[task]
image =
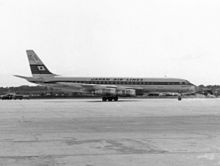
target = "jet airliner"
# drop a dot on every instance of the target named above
(109, 88)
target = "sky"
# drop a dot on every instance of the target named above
(112, 38)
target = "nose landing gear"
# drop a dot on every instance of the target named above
(179, 97)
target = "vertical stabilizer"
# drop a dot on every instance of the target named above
(38, 69)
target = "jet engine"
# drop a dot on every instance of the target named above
(106, 92)
(126, 92)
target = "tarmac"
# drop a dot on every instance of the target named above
(130, 132)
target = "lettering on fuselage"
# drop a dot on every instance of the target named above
(118, 79)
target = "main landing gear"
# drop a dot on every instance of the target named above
(108, 98)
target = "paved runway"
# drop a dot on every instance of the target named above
(87, 132)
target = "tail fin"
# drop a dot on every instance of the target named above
(38, 69)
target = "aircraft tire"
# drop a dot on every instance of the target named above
(104, 99)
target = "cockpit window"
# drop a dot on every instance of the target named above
(188, 83)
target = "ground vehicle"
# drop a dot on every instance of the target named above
(7, 97)
(14, 97)
(19, 97)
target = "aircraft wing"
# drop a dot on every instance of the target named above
(96, 86)
(85, 87)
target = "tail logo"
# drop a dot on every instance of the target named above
(41, 68)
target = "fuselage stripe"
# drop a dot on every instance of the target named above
(122, 82)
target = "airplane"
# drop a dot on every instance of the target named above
(109, 88)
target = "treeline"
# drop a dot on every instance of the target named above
(210, 89)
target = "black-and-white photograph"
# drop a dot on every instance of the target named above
(109, 83)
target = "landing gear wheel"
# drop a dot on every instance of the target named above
(116, 98)
(179, 98)
(104, 98)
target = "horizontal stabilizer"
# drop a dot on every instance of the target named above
(22, 77)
